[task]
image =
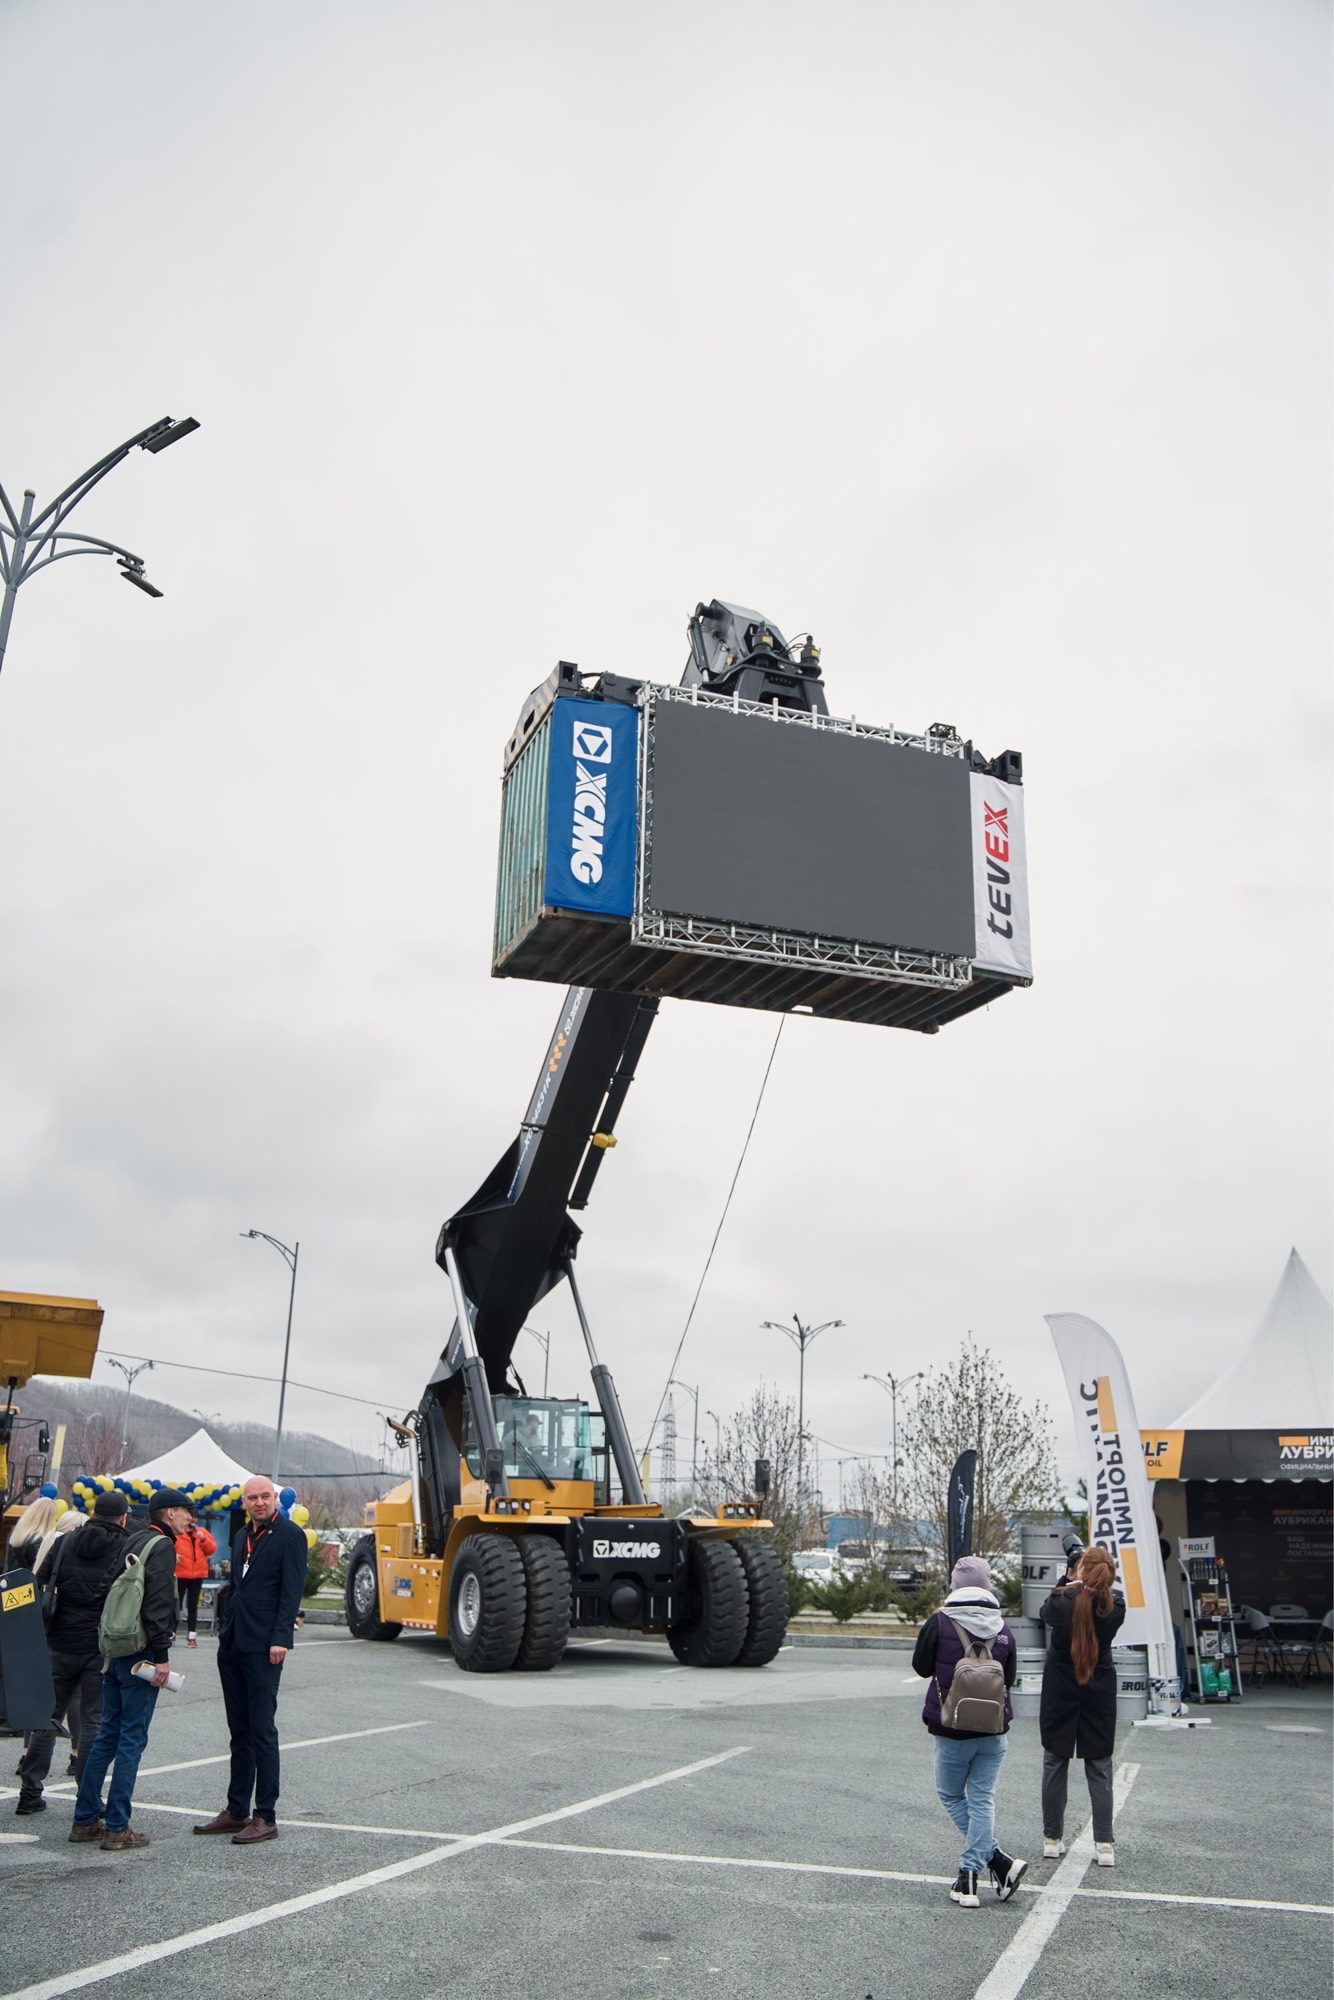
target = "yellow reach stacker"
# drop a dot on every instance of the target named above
(723, 840)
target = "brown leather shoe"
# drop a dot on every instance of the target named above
(79, 1834)
(224, 1822)
(123, 1841)
(253, 1830)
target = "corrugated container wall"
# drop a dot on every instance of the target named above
(523, 840)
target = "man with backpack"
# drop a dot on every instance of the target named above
(75, 1579)
(137, 1626)
(966, 1651)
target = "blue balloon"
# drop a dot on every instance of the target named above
(49, 1491)
(286, 1497)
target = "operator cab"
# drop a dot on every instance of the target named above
(553, 1442)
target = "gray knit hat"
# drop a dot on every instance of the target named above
(110, 1506)
(970, 1573)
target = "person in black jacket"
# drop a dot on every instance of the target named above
(268, 1572)
(79, 1571)
(1077, 1717)
(128, 1698)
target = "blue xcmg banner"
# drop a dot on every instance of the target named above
(592, 808)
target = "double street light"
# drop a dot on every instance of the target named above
(130, 1374)
(29, 542)
(802, 1336)
(289, 1257)
(694, 1443)
(894, 1385)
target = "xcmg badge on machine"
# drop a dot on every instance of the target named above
(592, 808)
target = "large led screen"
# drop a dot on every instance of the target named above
(781, 826)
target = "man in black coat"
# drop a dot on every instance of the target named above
(78, 1573)
(268, 1573)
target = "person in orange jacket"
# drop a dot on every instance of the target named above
(193, 1549)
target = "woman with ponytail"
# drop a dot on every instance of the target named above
(1078, 1714)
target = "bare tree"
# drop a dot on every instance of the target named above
(765, 1427)
(93, 1444)
(969, 1405)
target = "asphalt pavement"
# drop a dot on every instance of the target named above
(623, 1828)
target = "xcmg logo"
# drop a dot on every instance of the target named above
(624, 1551)
(592, 745)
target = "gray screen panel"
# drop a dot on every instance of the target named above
(785, 827)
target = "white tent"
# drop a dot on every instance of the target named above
(199, 1461)
(1285, 1373)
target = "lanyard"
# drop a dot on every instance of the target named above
(252, 1542)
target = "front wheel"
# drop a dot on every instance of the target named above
(712, 1628)
(361, 1595)
(487, 1604)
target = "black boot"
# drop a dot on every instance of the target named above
(964, 1891)
(30, 1802)
(1006, 1873)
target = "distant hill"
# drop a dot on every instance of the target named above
(92, 1413)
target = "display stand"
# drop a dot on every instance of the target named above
(1214, 1664)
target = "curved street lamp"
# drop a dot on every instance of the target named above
(289, 1257)
(29, 542)
(802, 1338)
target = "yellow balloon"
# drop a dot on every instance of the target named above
(301, 1515)
(62, 1507)
(311, 1538)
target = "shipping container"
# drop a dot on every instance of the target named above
(669, 842)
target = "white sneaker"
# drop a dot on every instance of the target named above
(1104, 1854)
(1052, 1850)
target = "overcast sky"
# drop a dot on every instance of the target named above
(989, 343)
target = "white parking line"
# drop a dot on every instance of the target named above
(150, 1954)
(900, 1875)
(1007, 1976)
(303, 1743)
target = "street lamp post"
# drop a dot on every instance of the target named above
(289, 1257)
(29, 542)
(544, 1342)
(717, 1434)
(802, 1336)
(129, 1374)
(893, 1385)
(694, 1442)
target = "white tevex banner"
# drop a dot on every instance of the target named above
(1000, 878)
(1120, 1504)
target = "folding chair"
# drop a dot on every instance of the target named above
(1321, 1646)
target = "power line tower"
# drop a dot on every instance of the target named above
(668, 1474)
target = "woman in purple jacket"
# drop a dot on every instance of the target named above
(968, 1762)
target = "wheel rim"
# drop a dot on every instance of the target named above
(363, 1591)
(468, 1610)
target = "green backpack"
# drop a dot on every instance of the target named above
(120, 1630)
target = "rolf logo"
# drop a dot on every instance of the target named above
(592, 745)
(624, 1551)
(996, 840)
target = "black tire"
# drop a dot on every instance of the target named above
(713, 1628)
(766, 1623)
(361, 1594)
(546, 1625)
(487, 1601)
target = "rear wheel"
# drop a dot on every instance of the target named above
(766, 1622)
(486, 1604)
(712, 1629)
(547, 1622)
(361, 1594)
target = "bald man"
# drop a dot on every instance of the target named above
(268, 1572)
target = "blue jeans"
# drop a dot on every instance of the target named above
(127, 1710)
(967, 1768)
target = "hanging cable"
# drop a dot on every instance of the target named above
(666, 1387)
